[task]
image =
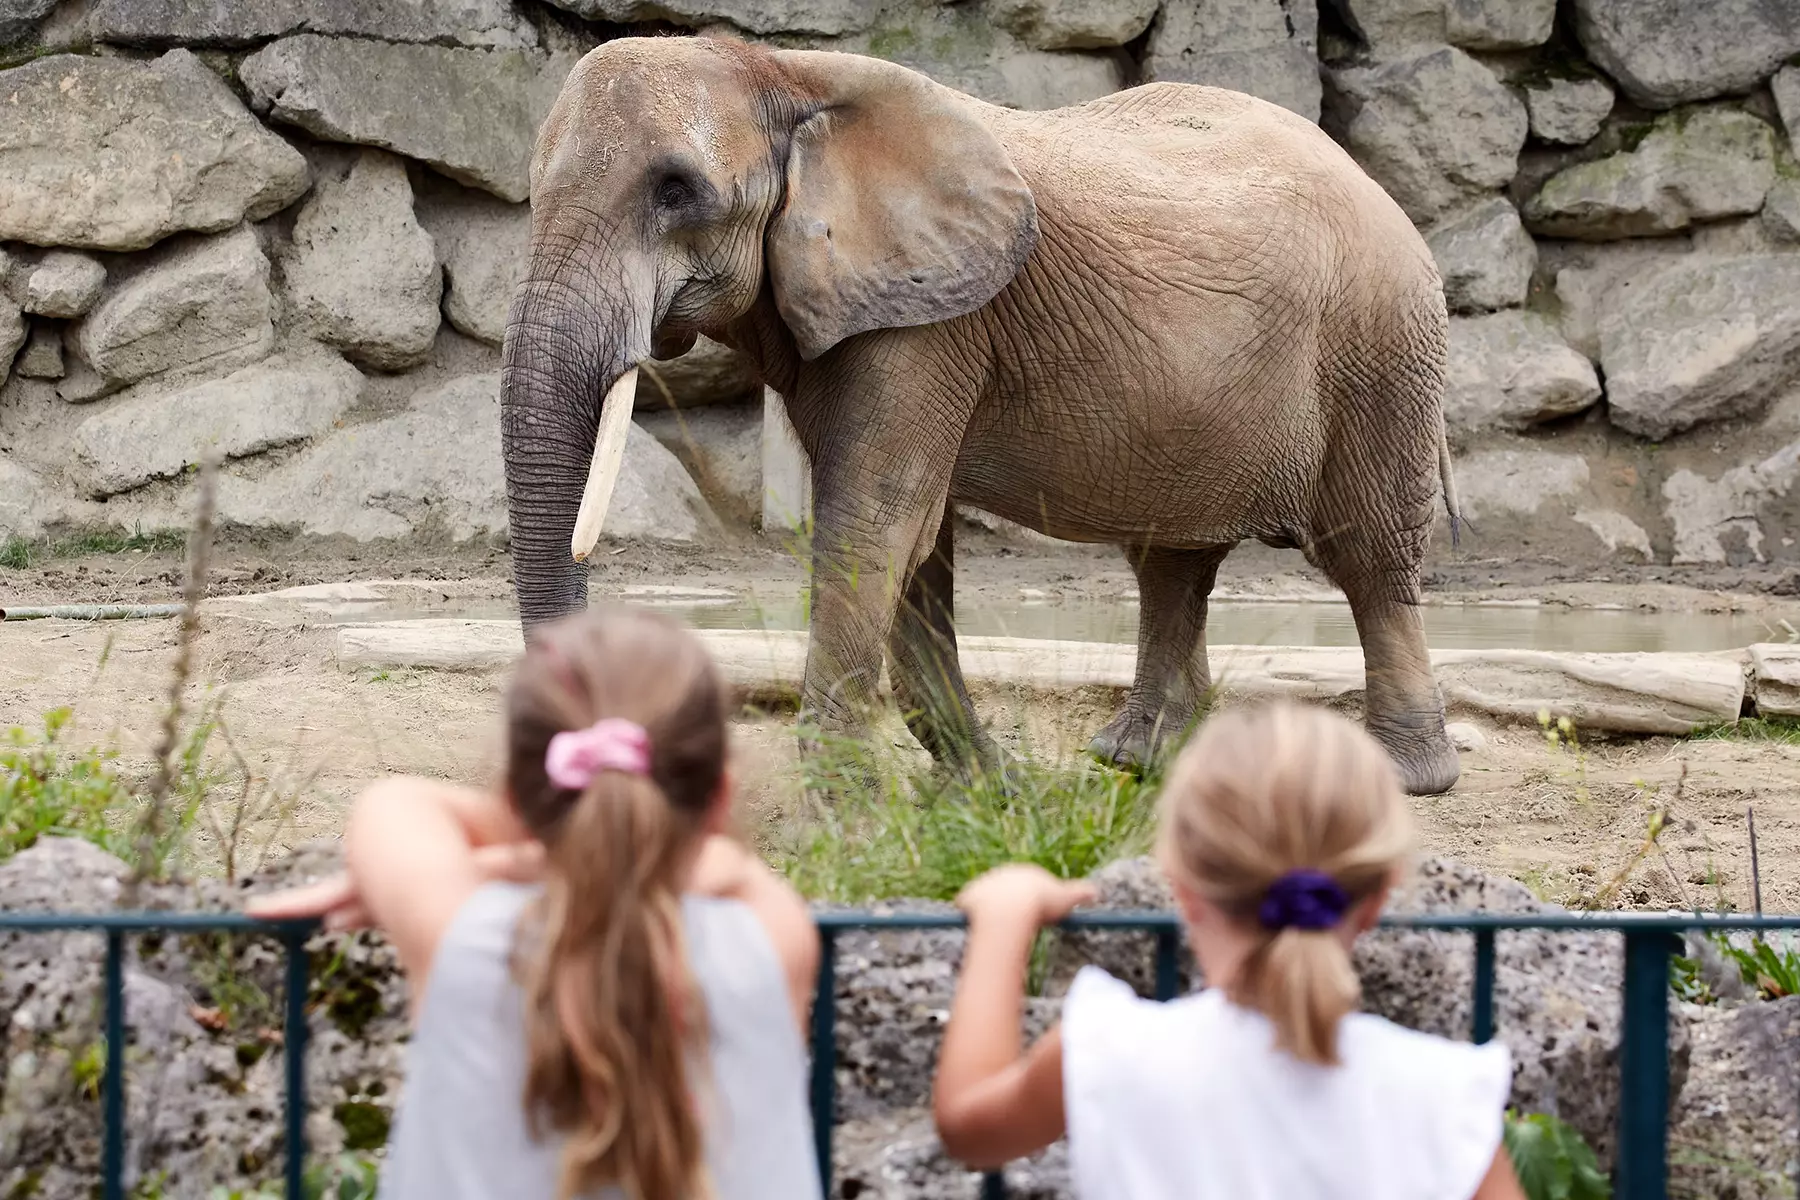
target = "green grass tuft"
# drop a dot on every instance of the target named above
(924, 834)
(15, 554)
(1785, 730)
(1552, 1160)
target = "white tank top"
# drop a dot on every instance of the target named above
(1190, 1100)
(460, 1132)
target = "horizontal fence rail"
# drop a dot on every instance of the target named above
(1651, 940)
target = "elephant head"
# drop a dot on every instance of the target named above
(678, 182)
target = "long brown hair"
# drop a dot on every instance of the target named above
(613, 1019)
(1265, 791)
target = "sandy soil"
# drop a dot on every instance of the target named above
(1565, 822)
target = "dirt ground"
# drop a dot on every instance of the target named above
(1566, 822)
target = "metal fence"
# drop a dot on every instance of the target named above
(1640, 1173)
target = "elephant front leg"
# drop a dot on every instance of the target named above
(1173, 676)
(927, 671)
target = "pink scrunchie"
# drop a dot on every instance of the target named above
(575, 756)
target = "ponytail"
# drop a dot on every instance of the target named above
(615, 756)
(1284, 818)
(613, 1020)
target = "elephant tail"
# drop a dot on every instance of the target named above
(1448, 478)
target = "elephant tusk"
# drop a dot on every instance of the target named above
(603, 472)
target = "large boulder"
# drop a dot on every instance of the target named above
(1669, 52)
(13, 331)
(1512, 370)
(1589, 274)
(1517, 482)
(472, 114)
(1786, 87)
(1568, 112)
(826, 17)
(1073, 24)
(1691, 166)
(64, 284)
(485, 247)
(1434, 128)
(1266, 48)
(24, 497)
(19, 17)
(1388, 25)
(159, 433)
(721, 449)
(435, 469)
(1700, 340)
(1781, 211)
(116, 154)
(710, 373)
(42, 357)
(248, 22)
(1720, 520)
(199, 301)
(360, 273)
(1484, 255)
(1737, 1113)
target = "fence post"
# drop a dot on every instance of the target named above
(112, 1167)
(1168, 982)
(1641, 1166)
(1484, 986)
(824, 1049)
(294, 1048)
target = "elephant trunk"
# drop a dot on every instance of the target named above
(566, 343)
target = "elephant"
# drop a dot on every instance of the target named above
(1171, 319)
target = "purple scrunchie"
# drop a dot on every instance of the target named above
(1303, 899)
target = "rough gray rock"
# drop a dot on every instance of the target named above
(1073, 24)
(43, 354)
(1786, 87)
(1517, 482)
(826, 17)
(23, 499)
(1701, 339)
(1588, 273)
(1616, 532)
(116, 154)
(360, 272)
(1700, 166)
(158, 433)
(248, 22)
(721, 449)
(64, 284)
(1720, 520)
(708, 374)
(1465, 737)
(472, 114)
(197, 301)
(1484, 255)
(1739, 1094)
(1669, 52)
(13, 332)
(1568, 112)
(485, 247)
(19, 17)
(1512, 370)
(435, 468)
(1266, 48)
(1434, 128)
(1781, 211)
(1499, 24)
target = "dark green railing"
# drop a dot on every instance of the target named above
(1641, 1172)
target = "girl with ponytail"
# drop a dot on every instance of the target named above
(610, 996)
(1282, 830)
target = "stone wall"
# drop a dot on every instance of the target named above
(287, 231)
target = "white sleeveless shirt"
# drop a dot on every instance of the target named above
(1190, 1100)
(461, 1133)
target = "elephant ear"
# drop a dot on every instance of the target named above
(902, 208)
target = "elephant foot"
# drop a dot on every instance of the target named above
(1422, 751)
(1132, 741)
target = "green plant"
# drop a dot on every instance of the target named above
(1552, 1160)
(47, 790)
(891, 831)
(1562, 738)
(89, 1069)
(1783, 730)
(349, 1177)
(15, 553)
(1773, 972)
(1688, 982)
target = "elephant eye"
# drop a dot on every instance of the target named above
(674, 192)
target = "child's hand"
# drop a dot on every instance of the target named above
(1025, 893)
(334, 899)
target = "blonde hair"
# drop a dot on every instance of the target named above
(614, 1021)
(1259, 793)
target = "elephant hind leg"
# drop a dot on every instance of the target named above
(1173, 677)
(927, 671)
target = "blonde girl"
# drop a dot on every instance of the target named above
(1282, 830)
(628, 1021)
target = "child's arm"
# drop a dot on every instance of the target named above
(731, 871)
(992, 1103)
(416, 849)
(1501, 1183)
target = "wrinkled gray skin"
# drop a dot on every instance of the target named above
(1172, 319)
